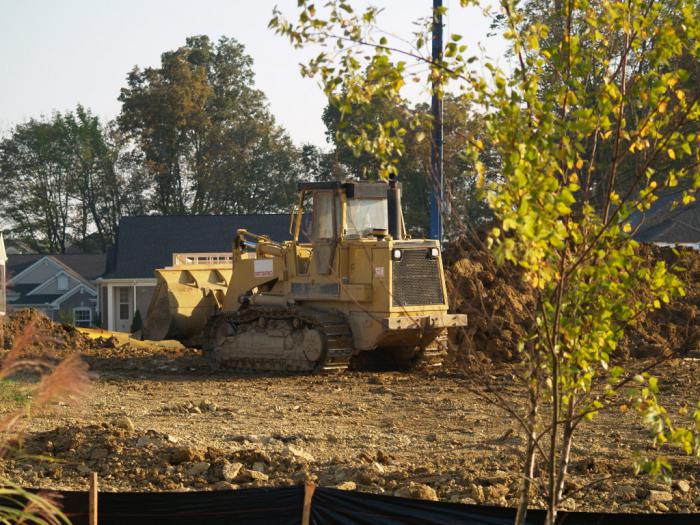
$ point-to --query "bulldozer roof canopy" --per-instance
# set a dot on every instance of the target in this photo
(353, 189)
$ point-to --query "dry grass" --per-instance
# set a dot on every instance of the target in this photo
(65, 380)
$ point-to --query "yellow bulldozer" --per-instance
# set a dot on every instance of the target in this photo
(351, 288)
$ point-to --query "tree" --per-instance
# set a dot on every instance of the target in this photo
(615, 81)
(96, 183)
(208, 139)
(35, 184)
(547, 13)
(321, 166)
(62, 183)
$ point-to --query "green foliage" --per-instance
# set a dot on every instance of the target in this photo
(593, 122)
(61, 185)
(209, 143)
(11, 392)
(468, 206)
(194, 136)
(136, 322)
(66, 317)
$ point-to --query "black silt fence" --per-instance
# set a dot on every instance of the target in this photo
(284, 506)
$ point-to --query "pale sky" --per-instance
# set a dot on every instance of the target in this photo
(56, 54)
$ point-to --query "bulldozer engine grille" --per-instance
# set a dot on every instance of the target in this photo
(415, 279)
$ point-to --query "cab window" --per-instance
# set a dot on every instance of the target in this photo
(324, 225)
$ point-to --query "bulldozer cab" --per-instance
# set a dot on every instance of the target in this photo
(338, 210)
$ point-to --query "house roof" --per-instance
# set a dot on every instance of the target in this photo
(145, 243)
(88, 266)
(663, 223)
(25, 299)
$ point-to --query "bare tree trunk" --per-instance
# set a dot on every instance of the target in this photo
(567, 441)
(530, 454)
(551, 489)
(528, 470)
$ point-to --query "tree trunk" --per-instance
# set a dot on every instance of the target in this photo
(530, 455)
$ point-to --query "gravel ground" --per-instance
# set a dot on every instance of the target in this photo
(162, 421)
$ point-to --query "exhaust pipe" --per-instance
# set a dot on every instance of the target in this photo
(394, 209)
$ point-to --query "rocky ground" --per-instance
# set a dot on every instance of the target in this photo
(160, 420)
(156, 418)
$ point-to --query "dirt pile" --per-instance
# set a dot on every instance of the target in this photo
(150, 459)
(498, 301)
(37, 334)
(675, 327)
(494, 297)
(39, 337)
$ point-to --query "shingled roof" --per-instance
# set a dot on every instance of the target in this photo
(88, 266)
(145, 243)
(664, 224)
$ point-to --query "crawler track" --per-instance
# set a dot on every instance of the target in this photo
(331, 328)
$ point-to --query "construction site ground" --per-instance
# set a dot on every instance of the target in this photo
(158, 419)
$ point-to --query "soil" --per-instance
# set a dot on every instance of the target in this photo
(498, 303)
(164, 421)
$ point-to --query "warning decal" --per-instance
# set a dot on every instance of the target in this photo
(263, 267)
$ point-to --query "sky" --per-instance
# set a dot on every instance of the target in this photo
(57, 54)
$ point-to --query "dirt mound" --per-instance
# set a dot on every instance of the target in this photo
(498, 301)
(675, 327)
(39, 335)
(41, 338)
(494, 297)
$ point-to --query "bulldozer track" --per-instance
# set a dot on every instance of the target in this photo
(338, 347)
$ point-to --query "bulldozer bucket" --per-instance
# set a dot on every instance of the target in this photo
(184, 300)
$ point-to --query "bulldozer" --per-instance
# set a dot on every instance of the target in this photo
(349, 287)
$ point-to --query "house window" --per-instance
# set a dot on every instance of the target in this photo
(82, 316)
(123, 304)
(62, 283)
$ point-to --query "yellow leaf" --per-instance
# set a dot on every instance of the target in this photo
(671, 154)
(662, 107)
(579, 163)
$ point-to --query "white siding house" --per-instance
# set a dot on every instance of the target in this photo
(60, 286)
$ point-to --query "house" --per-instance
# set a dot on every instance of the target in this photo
(665, 225)
(146, 243)
(61, 286)
(3, 262)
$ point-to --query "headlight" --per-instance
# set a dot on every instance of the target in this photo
(433, 253)
(396, 254)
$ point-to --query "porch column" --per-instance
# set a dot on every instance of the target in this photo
(110, 307)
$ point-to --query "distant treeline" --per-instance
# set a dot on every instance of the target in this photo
(194, 136)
